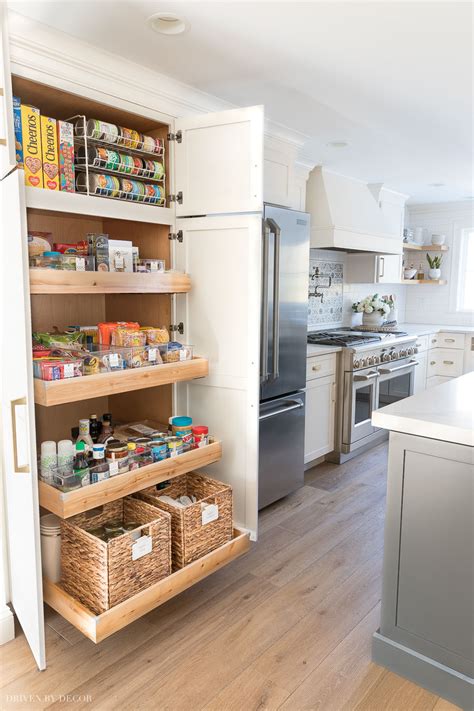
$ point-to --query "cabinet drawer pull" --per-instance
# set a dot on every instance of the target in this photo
(448, 362)
(450, 340)
(418, 345)
(317, 367)
(432, 362)
(435, 340)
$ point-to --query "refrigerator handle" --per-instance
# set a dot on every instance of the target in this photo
(264, 348)
(276, 299)
(294, 405)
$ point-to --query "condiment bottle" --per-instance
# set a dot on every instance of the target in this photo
(421, 273)
(95, 427)
(80, 465)
(48, 460)
(84, 435)
(107, 430)
(65, 454)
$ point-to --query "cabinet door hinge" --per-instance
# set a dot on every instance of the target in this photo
(178, 137)
(177, 327)
(178, 236)
(176, 198)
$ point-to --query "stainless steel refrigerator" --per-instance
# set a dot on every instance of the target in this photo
(283, 352)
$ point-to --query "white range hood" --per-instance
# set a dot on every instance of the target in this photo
(351, 215)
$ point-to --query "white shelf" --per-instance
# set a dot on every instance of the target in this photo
(80, 204)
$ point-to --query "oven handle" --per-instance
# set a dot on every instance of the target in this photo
(399, 367)
(369, 376)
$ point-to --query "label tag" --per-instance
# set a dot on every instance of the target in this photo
(142, 547)
(80, 264)
(68, 370)
(182, 354)
(143, 429)
(154, 266)
(114, 360)
(113, 467)
(152, 355)
(209, 513)
(119, 262)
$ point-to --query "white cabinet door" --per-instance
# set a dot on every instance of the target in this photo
(7, 138)
(219, 162)
(373, 268)
(388, 269)
(18, 423)
(221, 316)
(420, 373)
(320, 414)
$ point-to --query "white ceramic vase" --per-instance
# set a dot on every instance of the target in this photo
(374, 319)
(434, 273)
(438, 239)
(356, 318)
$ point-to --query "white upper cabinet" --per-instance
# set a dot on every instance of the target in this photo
(219, 162)
(373, 269)
(18, 424)
(7, 136)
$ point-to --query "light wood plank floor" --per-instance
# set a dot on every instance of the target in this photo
(287, 626)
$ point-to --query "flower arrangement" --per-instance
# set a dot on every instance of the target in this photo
(374, 303)
(434, 262)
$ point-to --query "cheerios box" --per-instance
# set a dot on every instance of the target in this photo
(32, 155)
(49, 142)
(66, 156)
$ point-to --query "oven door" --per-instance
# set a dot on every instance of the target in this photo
(360, 400)
(396, 381)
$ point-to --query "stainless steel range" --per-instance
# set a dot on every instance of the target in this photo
(375, 369)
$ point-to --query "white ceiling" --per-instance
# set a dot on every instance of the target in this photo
(393, 79)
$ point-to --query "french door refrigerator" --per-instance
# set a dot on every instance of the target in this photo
(284, 319)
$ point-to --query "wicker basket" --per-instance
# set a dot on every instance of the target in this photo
(100, 574)
(191, 538)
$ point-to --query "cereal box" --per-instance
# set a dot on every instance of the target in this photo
(32, 156)
(17, 128)
(66, 155)
(49, 142)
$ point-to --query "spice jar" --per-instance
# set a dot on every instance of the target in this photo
(200, 436)
(117, 457)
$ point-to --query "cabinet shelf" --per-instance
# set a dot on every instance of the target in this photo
(58, 392)
(80, 204)
(66, 504)
(59, 281)
(99, 627)
(433, 282)
(411, 247)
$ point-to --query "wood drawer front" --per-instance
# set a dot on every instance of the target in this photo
(423, 343)
(320, 366)
(451, 340)
(445, 361)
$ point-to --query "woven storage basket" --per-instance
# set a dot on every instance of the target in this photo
(100, 574)
(190, 538)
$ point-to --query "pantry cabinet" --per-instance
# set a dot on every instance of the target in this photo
(214, 165)
(7, 141)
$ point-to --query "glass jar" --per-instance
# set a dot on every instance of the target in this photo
(117, 458)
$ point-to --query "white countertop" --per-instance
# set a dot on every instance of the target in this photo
(422, 329)
(444, 412)
(321, 350)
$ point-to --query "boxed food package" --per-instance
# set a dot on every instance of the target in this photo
(39, 242)
(99, 248)
(79, 248)
(120, 255)
(66, 156)
(49, 143)
(32, 155)
(17, 129)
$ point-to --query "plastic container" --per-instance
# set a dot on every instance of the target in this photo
(103, 360)
(50, 530)
(48, 260)
(150, 265)
(57, 368)
(77, 263)
(200, 436)
(177, 352)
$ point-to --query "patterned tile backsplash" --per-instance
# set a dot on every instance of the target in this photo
(326, 310)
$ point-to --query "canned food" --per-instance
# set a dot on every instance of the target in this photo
(175, 446)
(137, 166)
(159, 435)
(158, 145)
(135, 139)
(127, 163)
(149, 144)
(159, 450)
(117, 458)
(125, 137)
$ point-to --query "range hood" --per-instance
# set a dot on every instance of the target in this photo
(353, 216)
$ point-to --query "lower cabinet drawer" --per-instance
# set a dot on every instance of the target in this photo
(422, 343)
(446, 362)
(436, 380)
(451, 340)
(320, 366)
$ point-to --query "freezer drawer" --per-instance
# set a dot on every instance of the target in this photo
(281, 462)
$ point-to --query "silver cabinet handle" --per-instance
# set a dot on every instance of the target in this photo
(434, 340)
(399, 367)
(264, 349)
(296, 406)
(450, 340)
(432, 362)
(369, 376)
(16, 407)
(448, 362)
(382, 264)
(317, 367)
(276, 299)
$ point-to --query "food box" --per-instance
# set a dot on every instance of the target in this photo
(66, 156)
(32, 155)
(17, 129)
(49, 143)
(99, 248)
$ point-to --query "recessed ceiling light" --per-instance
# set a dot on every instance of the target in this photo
(437, 185)
(167, 23)
(337, 144)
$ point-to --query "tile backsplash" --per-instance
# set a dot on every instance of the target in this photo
(327, 310)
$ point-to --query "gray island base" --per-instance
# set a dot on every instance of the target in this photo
(427, 618)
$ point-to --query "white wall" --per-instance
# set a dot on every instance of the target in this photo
(435, 304)
(356, 292)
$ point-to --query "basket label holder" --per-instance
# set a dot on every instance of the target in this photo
(141, 547)
(209, 513)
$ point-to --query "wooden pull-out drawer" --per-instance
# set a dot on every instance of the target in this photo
(320, 366)
(445, 361)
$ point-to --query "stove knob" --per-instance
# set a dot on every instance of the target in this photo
(402, 354)
(376, 360)
(415, 350)
(394, 355)
(410, 351)
(385, 357)
(356, 364)
(371, 360)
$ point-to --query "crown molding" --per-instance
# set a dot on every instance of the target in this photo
(457, 206)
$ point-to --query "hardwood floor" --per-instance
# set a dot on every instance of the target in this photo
(287, 626)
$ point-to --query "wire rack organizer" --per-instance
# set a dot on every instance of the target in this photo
(118, 163)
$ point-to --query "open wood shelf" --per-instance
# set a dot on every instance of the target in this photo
(79, 204)
(68, 504)
(61, 281)
(410, 247)
(433, 282)
(99, 627)
(58, 392)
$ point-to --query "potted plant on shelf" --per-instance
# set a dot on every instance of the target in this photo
(435, 264)
(374, 310)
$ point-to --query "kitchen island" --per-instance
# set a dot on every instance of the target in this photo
(427, 619)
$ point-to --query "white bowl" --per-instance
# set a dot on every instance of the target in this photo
(437, 239)
(409, 273)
